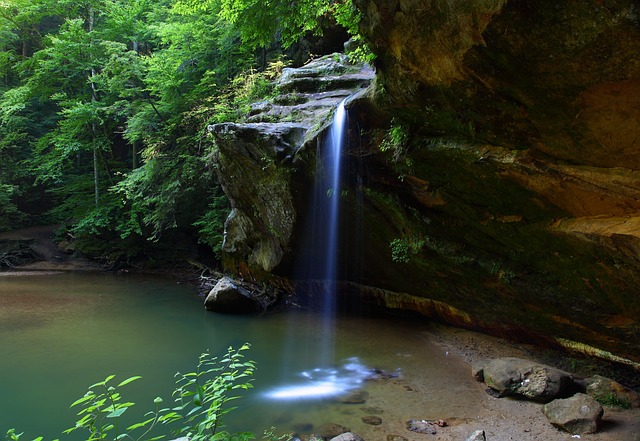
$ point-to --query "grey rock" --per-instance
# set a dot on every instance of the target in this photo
(580, 414)
(526, 378)
(227, 296)
(425, 426)
(348, 436)
(478, 435)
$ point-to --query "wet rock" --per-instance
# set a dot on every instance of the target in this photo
(425, 426)
(610, 392)
(579, 414)
(348, 436)
(229, 297)
(381, 374)
(478, 435)
(355, 397)
(372, 420)
(531, 380)
(332, 430)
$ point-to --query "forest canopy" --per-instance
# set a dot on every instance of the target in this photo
(104, 105)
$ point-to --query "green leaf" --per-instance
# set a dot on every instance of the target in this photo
(102, 383)
(129, 380)
(118, 412)
(140, 424)
(84, 399)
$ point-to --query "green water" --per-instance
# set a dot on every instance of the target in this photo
(60, 333)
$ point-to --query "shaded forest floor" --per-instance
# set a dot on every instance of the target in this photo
(37, 246)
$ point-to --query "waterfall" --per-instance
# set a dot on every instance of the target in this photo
(327, 195)
(321, 263)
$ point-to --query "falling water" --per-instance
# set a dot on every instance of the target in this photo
(328, 193)
(321, 263)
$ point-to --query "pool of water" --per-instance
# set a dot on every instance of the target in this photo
(59, 333)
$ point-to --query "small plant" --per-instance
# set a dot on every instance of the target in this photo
(101, 409)
(395, 140)
(613, 400)
(201, 398)
(402, 249)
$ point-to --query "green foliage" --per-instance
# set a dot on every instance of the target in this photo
(10, 215)
(613, 400)
(395, 140)
(258, 25)
(202, 396)
(403, 248)
(211, 224)
(101, 409)
(105, 105)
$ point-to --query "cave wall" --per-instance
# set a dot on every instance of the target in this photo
(514, 197)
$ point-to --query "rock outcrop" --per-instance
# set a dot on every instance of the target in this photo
(259, 160)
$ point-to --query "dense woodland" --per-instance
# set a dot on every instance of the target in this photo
(104, 107)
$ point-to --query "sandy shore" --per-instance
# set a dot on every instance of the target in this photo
(511, 419)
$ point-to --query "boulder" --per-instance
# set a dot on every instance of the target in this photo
(579, 414)
(348, 436)
(528, 379)
(228, 296)
(425, 426)
(609, 392)
(478, 435)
